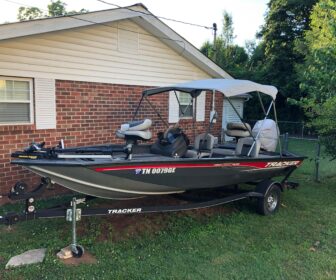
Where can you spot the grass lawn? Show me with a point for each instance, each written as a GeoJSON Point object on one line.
{"type": "Point", "coordinates": [230, 242]}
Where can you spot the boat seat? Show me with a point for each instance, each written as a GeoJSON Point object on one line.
{"type": "Point", "coordinates": [244, 146]}
{"type": "Point", "coordinates": [203, 146]}
{"type": "Point", "coordinates": [135, 130]}
{"type": "Point", "coordinates": [238, 130]}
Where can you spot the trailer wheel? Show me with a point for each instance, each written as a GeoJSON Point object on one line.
{"type": "Point", "coordinates": [79, 253]}
{"type": "Point", "coordinates": [270, 202]}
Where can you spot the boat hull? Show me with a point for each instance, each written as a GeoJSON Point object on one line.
{"type": "Point", "coordinates": [129, 180]}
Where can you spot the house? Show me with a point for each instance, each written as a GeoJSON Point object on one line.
{"type": "Point", "coordinates": [79, 77]}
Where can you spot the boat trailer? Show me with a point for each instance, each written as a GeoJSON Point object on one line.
{"type": "Point", "coordinates": [73, 214]}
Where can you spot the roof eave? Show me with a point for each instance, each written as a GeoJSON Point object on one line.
{"type": "Point", "coordinates": [45, 25]}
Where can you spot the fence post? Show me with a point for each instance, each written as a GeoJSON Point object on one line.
{"type": "Point", "coordinates": [317, 160]}
{"type": "Point", "coordinates": [285, 143]}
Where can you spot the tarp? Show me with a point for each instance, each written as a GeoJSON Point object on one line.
{"type": "Point", "coordinates": [229, 87]}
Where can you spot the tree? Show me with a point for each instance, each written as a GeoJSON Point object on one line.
{"type": "Point", "coordinates": [285, 23]}
{"type": "Point", "coordinates": [224, 52]}
{"type": "Point", "coordinates": [55, 8]}
{"type": "Point", "coordinates": [317, 75]}
{"type": "Point", "coordinates": [29, 13]}
{"type": "Point", "coordinates": [228, 30]}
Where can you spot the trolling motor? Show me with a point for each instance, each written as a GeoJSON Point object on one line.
{"type": "Point", "coordinates": [35, 147]}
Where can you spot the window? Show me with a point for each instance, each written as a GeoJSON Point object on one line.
{"type": "Point", "coordinates": [16, 106]}
{"type": "Point", "coordinates": [186, 104]}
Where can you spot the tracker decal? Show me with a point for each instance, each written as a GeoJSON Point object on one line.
{"type": "Point", "coordinates": [124, 211]}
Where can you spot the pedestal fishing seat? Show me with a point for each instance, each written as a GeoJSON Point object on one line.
{"type": "Point", "coordinates": [135, 130]}
{"type": "Point", "coordinates": [238, 130]}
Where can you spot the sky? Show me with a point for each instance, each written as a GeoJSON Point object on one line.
{"type": "Point", "coordinates": [248, 15]}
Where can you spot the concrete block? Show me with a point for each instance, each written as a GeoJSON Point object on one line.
{"type": "Point", "coordinates": [28, 257]}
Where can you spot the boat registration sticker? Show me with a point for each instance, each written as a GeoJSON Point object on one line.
{"type": "Point", "coordinates": [148, 171]}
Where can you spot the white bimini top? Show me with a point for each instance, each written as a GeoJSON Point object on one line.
{"type": "Point", "coordinates": [229, 87]}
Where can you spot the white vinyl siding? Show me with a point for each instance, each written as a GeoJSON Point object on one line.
{"type": "Point", "coordinates": [128, 39]}
{"type": "Point", "coordinates": [98, 54]}
{"type": "Point", "coordinates": [45, 103]}
{"type": "Point", "coordinates": [16, 100]}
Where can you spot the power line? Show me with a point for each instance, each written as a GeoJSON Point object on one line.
{"type": "Point", "coordinates": [103, 24]}
{"type": "Point", "coordinates": [159, 17]}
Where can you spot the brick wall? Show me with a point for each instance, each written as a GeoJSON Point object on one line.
{"type": "Point", "coordinates": [88, 114]}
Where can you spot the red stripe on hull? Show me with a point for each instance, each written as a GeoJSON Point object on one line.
{"type": "Point", "coordinates": [257, 164]}
{"type": "Point", "coordinates": [127, 167]}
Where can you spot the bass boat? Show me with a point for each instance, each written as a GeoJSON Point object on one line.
{"type": "Point", "coordinates": [170, 165]}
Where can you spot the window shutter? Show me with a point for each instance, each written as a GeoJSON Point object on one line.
{"type": "Point", "coordinates": [173, 108]}
{"type": "Point", "coordinates": [45, 103]}
{"type": "Point", "coordinates": [200, 107]}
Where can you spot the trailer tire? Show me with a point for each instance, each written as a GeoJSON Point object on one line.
{"type": "Point", "coordinates": [270, 202]}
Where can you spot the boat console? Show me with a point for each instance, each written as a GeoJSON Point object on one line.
{"type": "Point", "coordinates": [173, 143]}
{"type": "Point", "coordinates": [203, 146]}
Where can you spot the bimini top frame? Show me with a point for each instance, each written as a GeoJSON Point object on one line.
{"type": "Point", "coordinates": [229, 88]}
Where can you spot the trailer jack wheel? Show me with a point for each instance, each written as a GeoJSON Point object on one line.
{"type": "Point", "coordinates": [77, 251]}
{"type": "Point", "coordinates": [74, 215]}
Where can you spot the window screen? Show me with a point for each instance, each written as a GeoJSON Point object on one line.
{"type": "Point", "coordinates": [185, 100]}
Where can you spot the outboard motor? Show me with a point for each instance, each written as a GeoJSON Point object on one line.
{"type": "Point", "coordinates": [268, 135]}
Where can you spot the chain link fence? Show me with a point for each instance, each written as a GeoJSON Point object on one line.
{"type": "Point", "coordinates": [297, 129]}
{"type": "Point", "coordinates": [298, 137]}
{"type": "Point", "coordinates": [318, 164]}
